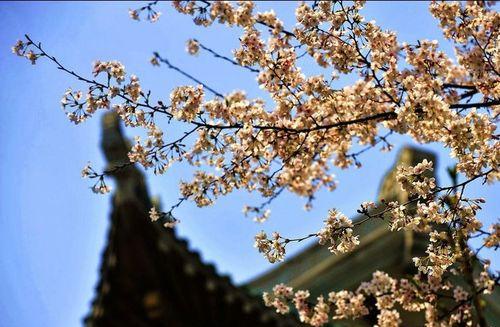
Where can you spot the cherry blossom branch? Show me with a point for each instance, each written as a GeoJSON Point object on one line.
{"type": "Point", "coordinates": [191, 77]}
{"type": "Point", "coordinates": [161, 108]}
{"type": "Point", "coordinates": [227, 59]}
{"type": "Point", "coordinates": [152, 14]}
{"type": "Point", "coordinates": [380, 215]}
{"type": "Point", "coordinates": [288, 33]}
{"type": "Point", "coordinates": [283, 83]}
{"type": "Point", "coordinates": [379, 139]}
{"type": "Point", "coordinates": [259, 209]}
{"type": "Point", "coordinates": [458, 86]}
{"type": "Point", "coordinates": [437, 190]}
{"type": "Point", "coordinates": [475, 105]}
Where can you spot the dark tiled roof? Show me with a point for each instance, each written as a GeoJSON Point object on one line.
{"type": "Point", "coordinates": [149, 277]}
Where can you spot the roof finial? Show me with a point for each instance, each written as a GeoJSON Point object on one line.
{"type": "Point", "coordinates": [130, 183]}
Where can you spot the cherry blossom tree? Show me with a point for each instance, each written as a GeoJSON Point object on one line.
{"type": "Point", "coordinates": [293, 141]}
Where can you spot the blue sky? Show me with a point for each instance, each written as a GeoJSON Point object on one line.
{"type": "Point", "coordinates": [53, 228]}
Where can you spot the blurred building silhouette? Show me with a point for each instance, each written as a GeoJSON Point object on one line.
{"type": "Point", "coordinates": [149, 277]}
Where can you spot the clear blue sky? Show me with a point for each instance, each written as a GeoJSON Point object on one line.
{"type": "Point", "coordinates": [53, 228]}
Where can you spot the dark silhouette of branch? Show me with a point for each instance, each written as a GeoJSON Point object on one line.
{"type": "Point", "coordinates": [191, 77]}
{"type": "Point", "coordinates": [219, 56]}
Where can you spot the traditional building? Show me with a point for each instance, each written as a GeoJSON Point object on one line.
{"type": "Point", "coordinates": [149, 277]}
{"type": "Point", "coordinates": [317, 270]}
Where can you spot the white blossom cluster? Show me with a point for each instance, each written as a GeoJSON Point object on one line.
{"type": "Point", "coordinates": [338, 233]}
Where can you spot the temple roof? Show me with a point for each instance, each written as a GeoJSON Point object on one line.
{"type": "Point", "coordinates": [150, 277]}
